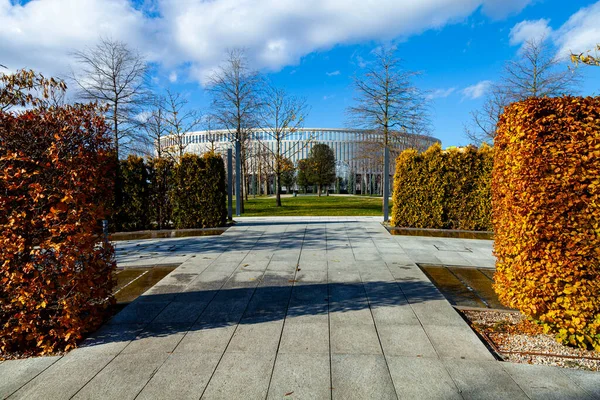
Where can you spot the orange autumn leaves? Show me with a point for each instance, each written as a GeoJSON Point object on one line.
{"type": "Point", "coordinates": [546, 214]}
{"type": "Point", "coordinates": [56, 176]}
{"type": "Point", "coordinates": [443, 189]}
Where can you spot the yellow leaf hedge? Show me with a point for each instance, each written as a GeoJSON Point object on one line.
{"type": "Point", "coordinates": [546, 214]}
{"type": "Point", "coordinates": [443, 189]}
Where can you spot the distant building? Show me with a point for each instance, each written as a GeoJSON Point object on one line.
{"type": "Point", "coordinates": [358, 156]}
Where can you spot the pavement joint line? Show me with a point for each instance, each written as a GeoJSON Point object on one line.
{"type": "Point", "coordinates": [328, 315]}
{"type": "Point", "coordinates": [243, 313]}
{"type": "Point", "coordinates": [459, 391]}
{"type": "Point", "coordinates": [387, 366]}
{"type": "Point", "coordinates": [286, 312]}
{"type": "Point", "coordinates": [144, 326]}
{"type": "Point", "coordinates": [202, 312]}
{"type": "Point", "coordinates": [36, 375]}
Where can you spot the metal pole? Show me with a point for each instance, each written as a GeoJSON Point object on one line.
{"type": "Point", "coordinates": [386, 184]}
{"type": "Point", "coordinates": [229, 185]}
{"type": "Point", "coordinates": [238, 174]}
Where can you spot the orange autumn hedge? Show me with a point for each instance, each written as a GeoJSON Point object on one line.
{"type": "Point", "coordinates": [443, 189]}
{"type": "Point", "coordinates": [56, 173]}
{"type": "Point", "coordinates": [546, 214]}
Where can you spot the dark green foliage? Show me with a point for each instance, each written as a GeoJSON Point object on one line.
{"type": "Point", "coordinates": [443, 189]}
{"type": "Point", "coordinates": [198, 193]}
{"type": "Point", "coordinates": [160, 176]}
{"type": "Point", "coordinates": [321, 162]}
{"type": "Point", "coordinates": [303, 179]}
{"type": "Point", "coordinates": [133, 213]}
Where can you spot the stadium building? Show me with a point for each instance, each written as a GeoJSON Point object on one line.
{"type": "Point", "coordinates": [358, 154]}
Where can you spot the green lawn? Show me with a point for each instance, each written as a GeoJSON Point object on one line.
{"type": "Point", "coordinates": [313, 206]}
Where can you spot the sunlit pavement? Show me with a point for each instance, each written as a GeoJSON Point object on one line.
{"type": "Point", "coordinates": [292, 307]}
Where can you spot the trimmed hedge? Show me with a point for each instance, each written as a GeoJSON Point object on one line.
{"type": "Point", "coordinates": [160, 176]}
{"type": "Point", "coordinates": [159, 193]}
{"type": "Point", "coordinates": [133, 214]}
{"type": "Point", "coordinates": [56, 176]}
{"type": "Point", "coordinates": [546, 197]}
{"type": "Point", "coordinates": [198, 194]}
{"type": "Point", "coordinates": [443, 189]}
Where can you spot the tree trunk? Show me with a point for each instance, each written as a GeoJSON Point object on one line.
{"type": "Point", "coordinates": [319, 190]}
{"type": "Point", "coordinates": [278, 188]}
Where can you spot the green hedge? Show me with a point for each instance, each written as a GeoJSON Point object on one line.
{"type": "Point", "coordinates": [159, 194]}
{"type": "Point", "coordinates": [160, 171]}
{"type": "Point", "coordinates": [443, 189]}
{"type": "Point", "coordinates": [198, 195]}
{"type": "Point", "coordinates": [133, 213]}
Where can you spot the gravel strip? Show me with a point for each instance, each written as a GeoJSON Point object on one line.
{"type": "Point", "coordinates": [512, 333]}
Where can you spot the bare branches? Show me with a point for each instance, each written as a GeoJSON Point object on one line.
{"type": "Point", "coordinates": [234, 88]}
{"type": "Point", "coordinates": [387, 103]}
{"type": "Point", "coordinates": [536, 73]}
{"type": "Point", "coordinates": [281, 116]}
{"type": "Point", "coordinates": [179, 120]}
{"type": "Point", "coordinates": [155, 127]}
{"type": "Point", "coordinates": [113, 74]}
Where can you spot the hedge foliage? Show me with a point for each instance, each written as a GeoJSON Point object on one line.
{"type": "Point", "coordinates": [160, 171]}
{"type": "Point", "coordinates": [159, 193]}
{"type": "Point", "coordinates": [133, 215]}
{"type": "Point", "coordinates": [546, 197]}
{"type": "Point", "coordinates": [443, 189]}
{"type": "Point", "coordinates": [198, 194]}
{"type": "Point", "coordinates": [56, 176]}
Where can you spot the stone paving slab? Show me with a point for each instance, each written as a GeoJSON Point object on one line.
{"type": "Point", "coordinates": [422, 378]}
{"type": "Point", "coordinates": [360, 376]}
{"type": "Point", "coordinates": [182, 376]}
{"type": "Point", "coordinates": [301, 376]}
{"type": "Point", "coordinates": [67, 377]}
{"type": "Point", "coordinates": [17, 373]}
{"type": "Point", "coordinates": [297, 307]}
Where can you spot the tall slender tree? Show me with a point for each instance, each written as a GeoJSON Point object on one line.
{"type": "Point", "coordinates": [536, 72]}
{"type": "Point", "coordinates": [281, 118]}
{"type": "Point", "coordinates": [234, 87]}
{"type": "Point", "coordinates": [115, 75]}
{"type": "Point", "coordinates": [155, 127]}
{"type": "Point", "coordinates": [388, 105]}
{"type": "Point", "coordinates": [179, 119]}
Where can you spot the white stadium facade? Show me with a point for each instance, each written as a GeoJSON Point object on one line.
{"type": "Point", "coordinates": [358, 154]}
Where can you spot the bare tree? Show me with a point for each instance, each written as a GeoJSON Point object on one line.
{"type": "Point", "coordinates": [282, 116]}
{"type": "Point", "coordinates": [179, 120]}
{"type": "Point", "coordinates": [234, 87]}
{"type": "Point", "coordinates": [537, 72]}
{"type": "Point", "coordinates": [388, 105]}
{"type": "Point", "coordinates": [115, 75]}
{"type": "Point", "coordinates": [156, 128]}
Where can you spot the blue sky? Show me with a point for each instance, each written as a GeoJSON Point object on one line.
{"type": "Point", "coordinates": [312, 48]}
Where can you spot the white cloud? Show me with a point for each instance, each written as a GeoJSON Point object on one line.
{"type": "Point", "coordinates": [41, 34]}
{"type": "Point", "coordinates": [173, 77]}
{"type": "Point", "coordinates": [499, 9]}
{"type": "Point", "coordinates": [477, 90]}
{"type": "Point", "coordinates": [581, 32]}
{"type": "Point", "coordinates": [334, 73]}
{"type": "Point", "coordinates": [530, 30]}
{"type": "Point", "coordinates": [193, 34]}
{"type": "Point", "coordinates": [440, 93]}
{"type": "Point", "coordinates": [328, 97]}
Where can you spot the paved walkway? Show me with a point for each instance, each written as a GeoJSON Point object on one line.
{"type": "Point", "coordinates": [313, 308]}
